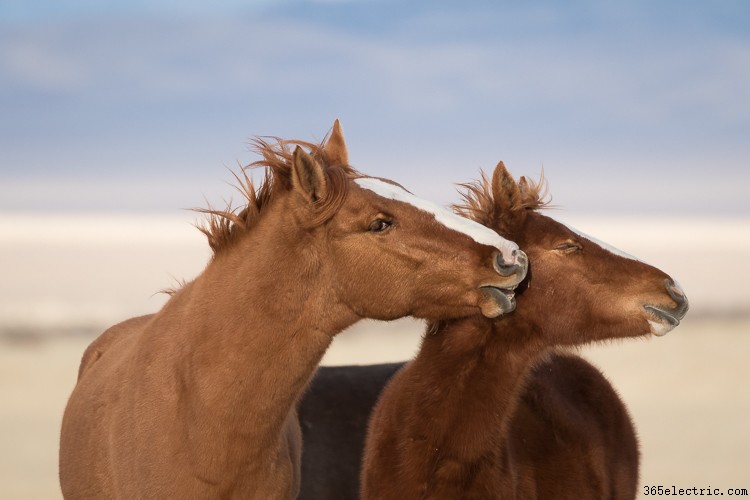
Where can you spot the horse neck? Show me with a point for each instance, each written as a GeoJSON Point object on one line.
{"type": "Point", "coordinates": [252, 329]}
{"type": "Point", "coordinates": [472, 373]}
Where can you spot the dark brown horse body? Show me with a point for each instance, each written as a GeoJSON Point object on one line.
{"type": "Point", "coordinates": [441, 428]}
{"type": "Point", "coordinates": [333, 415]}
{"type": "Point", "coordinates": [197, 400]}
{"type": "Point", "coordinates": [571, 436]}
{"type": "Point", "coordinates": [567, 407]}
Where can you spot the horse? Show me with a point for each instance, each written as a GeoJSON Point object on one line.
{"type": "Point", "coordinates": [198, 399]}
{"type": "Point", "coordinates": [561, 391]}
{"type": "Point", "coordinates": [442, 426]}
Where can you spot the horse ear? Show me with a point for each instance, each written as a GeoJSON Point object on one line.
{"type": "Point", "coordinates": [523, 187]}
{"type": "Point", "coordinates": [308, 177]}
{"type": "Point", "coordinates": [335, 148]}
{"type": "Point", "coordinates": [529, 196]}
{"type": "Point", "coordinates": [505, 190]}
{"type": "Point", "coordinates": [507, 196]}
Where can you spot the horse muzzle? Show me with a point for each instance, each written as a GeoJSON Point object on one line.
{"type": "Point", "coordinates": [662, 319]}
{"type": "Point", "coordinates": [512, 267]}
{"type": "Point", "coordinates": [499, 297]}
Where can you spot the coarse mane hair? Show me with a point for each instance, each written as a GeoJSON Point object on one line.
{"type": "Point", "coordinates": [224, 227]}
{"type": "Point", "coordinates": [479, 202]}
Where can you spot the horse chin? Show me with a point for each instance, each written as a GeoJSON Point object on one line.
{"type": "Point", "coordinates": [496, 301]}
{"type": "Point", "coordinates": [660, 321]}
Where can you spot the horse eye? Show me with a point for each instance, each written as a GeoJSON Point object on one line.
{"type": "Point", "coordinates": [380, 225]}
{"type": "Point", "coordinates": [569, 247]}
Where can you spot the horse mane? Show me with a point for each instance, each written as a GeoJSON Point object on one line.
{"type": "Point", "coordinates": [479, 204]}
{"type": "Point", "coordinates": [224, 227]}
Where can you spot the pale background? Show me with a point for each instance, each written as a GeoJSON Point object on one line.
{"type": "Point", "coordinates": [116, 116]}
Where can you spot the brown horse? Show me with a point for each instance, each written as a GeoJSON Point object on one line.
{"type": "Point", "coordinates": [441, 426]}
{"type": "Point", "coordinates": [197, 400]}
{"type": "Point", "coordinates": [567, 404]}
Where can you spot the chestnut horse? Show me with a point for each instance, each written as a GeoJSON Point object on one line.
{"type": "Point", "coordinates": [567, 404]}
{"type": "Point", "coordinates": [197, 400]}
{"type": "Point", "coordinates": [441, 428]}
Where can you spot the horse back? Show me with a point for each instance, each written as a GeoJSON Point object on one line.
{"type": "Point", "coordinates": [111, 335]}
{"type": "Point", "coordinates": [84, 457]}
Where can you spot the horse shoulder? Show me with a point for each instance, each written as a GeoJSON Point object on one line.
{"type": "Point", "coordinates": [572, 434]}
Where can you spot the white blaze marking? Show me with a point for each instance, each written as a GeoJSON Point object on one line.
{"type": "Point", "coordinates": [474, 230]}
{"type": "Point", "coordinates": [605, 246]}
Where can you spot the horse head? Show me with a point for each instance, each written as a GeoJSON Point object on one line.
{"type": "Point", "coordinates": [578, 288]}
{"type": "Point", "coordinates": [369, 247]}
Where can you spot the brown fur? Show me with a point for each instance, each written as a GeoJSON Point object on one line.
{"type": "Point", "coordinates": [197, 400]}
{"type": "Point", "coordinates": [570, 436]}
{"type": "Point", "coordinates": [569, 423]}
{"type": "Point", "coordinates": [479, 202]}
{"type": "Point", "coordinates": [440, 428]}
{"type": "Point", "coordinates": [225, 226]}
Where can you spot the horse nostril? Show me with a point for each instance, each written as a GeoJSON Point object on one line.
{"type": "Point", "coordinates": [675, 291]}
{"type": "Point", "coordinates": [503, 268]}
{"type": "Point", "coordinates": [517, 266]}
{"type": "Point", "coordinates": [678, 295]}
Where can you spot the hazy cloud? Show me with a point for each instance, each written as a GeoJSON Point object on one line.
{"type": "Point", "coordinates": [585, 89]}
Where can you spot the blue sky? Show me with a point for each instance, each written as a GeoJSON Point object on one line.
{"type": "Point", "coordinates": [639, 107]}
